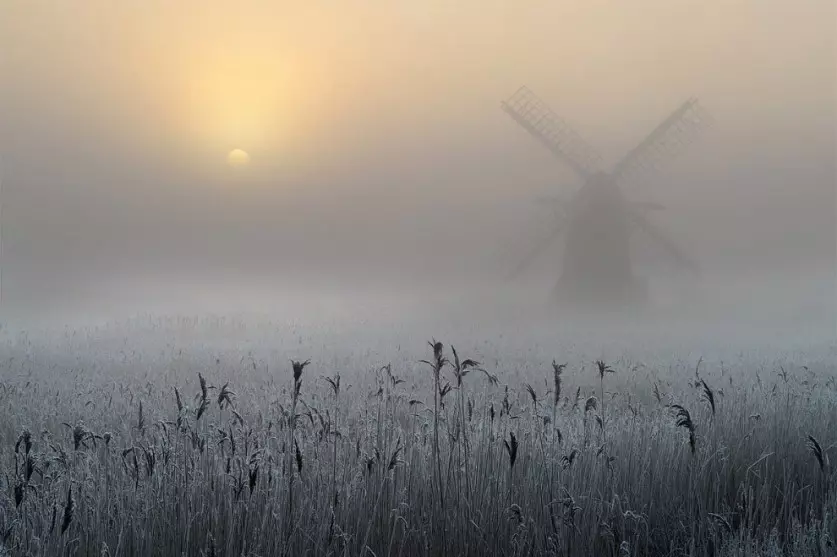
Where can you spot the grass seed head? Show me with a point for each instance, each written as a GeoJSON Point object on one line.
{"type": "Point", "coordinates": [533, 395]}
{"type": "Point", "coordinates": [708, 395]}
{"type": "Point", "coordinates": [225, 397]}
{"type": "Point", "coordinates": [816, 449]}
{"type": "Point", "coordinates": [603, 368]}
{"type": "Point", "coordinates": [25, 440]}
{"type": "Point", "coordinates": [461, 369]}
{"type": "Point", "coordinates": [178, 400]}
{"type": "Point", "coordinates": [335, 384]}
{"type": "Point", "coordinates": [20, 490]}
{"type": "Point", "coordinates": [204, 389]}
{"type": "Point", "coordinates": [511, 449]}
{"type": "Point", "coordinates": [298, 368]}
{"type": "Point", "coordinates": [568, 459]}
{"type": "Point", "coordinates": [394, 460]}
{"type": "Point", "coordinates": [298, 458]}
{"type": "Point", "coordinates": [140, 419]}
{"type": "Point", "coordinates": [557, 370]}
{"type": "Point", "coordinates": [684, 419]}
{"type": "Point", "coordinates": [69, 510]}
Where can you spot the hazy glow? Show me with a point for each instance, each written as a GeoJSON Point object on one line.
{"type": "Point", "coordinates": [238, 158]}
{"type": "Point", "coordinates": [360, 78]}
{"type": "Point", "coordinates": [250, 97]}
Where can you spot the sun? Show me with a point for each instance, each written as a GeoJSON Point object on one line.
{"type": "Point", "coordinates": [238, 158]}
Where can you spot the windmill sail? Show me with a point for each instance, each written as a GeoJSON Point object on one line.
{"type": "Point", "coordinates": [552, 131]}
{"type": "Point", "coordinates": [537, 250]}
{"type": "Point", "coordinates": [665, 142]}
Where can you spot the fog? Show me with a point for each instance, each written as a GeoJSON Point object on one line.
{"type": "Point", "coordinates": [383, 174]}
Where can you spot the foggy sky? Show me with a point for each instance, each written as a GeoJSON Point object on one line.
{"type": "Point", "coordinates": [378, 146]}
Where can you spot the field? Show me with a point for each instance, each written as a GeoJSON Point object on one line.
{"type": "Point", "coordinates": [217, 436]}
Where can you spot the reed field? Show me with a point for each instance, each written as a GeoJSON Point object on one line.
{"type": "Point", "coordinates": [169, 437]}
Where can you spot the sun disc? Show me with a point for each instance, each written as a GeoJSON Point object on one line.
{"type": "Point", "coordinates": [238, 158]}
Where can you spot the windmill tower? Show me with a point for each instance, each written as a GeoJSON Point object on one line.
{"type": "Point", "coordinates": [599, 219]}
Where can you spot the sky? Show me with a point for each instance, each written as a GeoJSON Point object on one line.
{"type": "Point", "coordinates": [378, 150]}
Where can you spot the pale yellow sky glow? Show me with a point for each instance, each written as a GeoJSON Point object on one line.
{"type": "Point", "coordinates": [280, 76]}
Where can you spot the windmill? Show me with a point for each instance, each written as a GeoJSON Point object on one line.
{"type": "Point", "coordinates": [599, 219]}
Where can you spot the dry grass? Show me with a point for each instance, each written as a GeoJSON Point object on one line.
{"type": "Point", "coordinates": [283, 459]}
